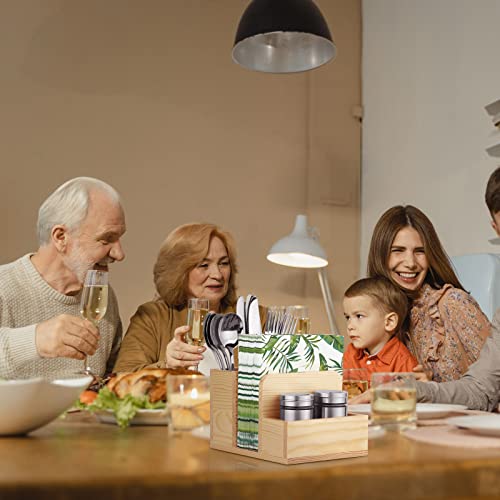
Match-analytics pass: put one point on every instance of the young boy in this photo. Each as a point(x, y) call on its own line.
point(375, 309)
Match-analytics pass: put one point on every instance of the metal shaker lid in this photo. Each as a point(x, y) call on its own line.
point(297, 399)
point(330, 397)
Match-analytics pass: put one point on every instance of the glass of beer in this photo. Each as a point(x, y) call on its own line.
point(355, 381)
point(197, 310)
point(94, 301)
point(394, 400)
point(301, 315)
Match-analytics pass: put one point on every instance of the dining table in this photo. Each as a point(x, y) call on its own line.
point(77, 457)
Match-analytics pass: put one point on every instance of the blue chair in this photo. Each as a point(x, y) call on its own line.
point(480, 275)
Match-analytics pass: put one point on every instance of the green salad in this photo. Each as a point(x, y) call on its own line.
point(124, 409)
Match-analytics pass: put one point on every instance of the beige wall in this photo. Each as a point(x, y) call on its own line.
point(144, 95)
point(429, 69)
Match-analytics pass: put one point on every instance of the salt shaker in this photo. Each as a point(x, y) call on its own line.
point(296, 406)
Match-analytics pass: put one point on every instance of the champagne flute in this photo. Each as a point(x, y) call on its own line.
point(197, 310)
point(94, 302)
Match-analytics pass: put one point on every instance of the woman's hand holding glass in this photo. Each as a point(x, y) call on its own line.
point(179, 353)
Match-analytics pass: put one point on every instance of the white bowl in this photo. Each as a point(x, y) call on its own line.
point(28, 404)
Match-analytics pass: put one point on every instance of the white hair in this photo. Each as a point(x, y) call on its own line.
point(68, 205)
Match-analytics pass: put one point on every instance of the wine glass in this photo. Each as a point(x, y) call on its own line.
point(94, 302)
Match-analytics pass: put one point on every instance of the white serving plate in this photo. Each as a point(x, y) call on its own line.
point(142, 417)
point(424, 410)
point(487, 425)
point(26, 405)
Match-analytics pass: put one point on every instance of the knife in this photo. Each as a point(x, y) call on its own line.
point(240, 311)
point(254, 317)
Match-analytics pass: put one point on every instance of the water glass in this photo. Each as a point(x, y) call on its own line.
point(301, 315)
point(188, 402)
point(394, 400)
point(355, 381)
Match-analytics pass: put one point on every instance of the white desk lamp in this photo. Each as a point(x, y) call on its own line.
point(301, 249)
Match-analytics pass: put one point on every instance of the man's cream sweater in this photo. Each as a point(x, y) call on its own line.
point(26, 299)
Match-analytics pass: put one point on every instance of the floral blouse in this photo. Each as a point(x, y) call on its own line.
point(447, 331)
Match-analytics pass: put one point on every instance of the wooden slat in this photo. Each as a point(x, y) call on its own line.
point(223, 400)
point(327, 436)
point(272, 432)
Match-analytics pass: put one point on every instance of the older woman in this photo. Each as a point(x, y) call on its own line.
point(195, 261)
point(446, 328)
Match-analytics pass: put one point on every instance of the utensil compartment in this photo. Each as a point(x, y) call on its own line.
point(279, 440)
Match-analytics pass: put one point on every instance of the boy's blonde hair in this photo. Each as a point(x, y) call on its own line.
point(385, 294)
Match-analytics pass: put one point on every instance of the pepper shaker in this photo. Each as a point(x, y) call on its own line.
point(330, 404)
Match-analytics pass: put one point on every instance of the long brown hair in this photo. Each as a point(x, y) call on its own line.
point(392, 221)
point(183, 249)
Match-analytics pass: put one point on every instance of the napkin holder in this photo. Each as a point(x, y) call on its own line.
point(279, 440)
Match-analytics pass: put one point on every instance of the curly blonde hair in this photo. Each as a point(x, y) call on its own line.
point(183, 249)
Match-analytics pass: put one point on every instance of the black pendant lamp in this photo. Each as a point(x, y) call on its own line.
point(283, 36)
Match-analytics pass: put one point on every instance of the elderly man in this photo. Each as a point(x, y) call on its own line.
point(41, 331)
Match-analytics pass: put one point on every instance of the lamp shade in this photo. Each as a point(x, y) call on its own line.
point(298, 249)
point(283, 36)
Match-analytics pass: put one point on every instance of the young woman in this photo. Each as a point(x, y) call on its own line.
point(445, 328)
point(195, 261)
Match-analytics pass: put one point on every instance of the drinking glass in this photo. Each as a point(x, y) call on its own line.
point(197, 310)
point(301, 315)
point(355, 381)
point(188, 402)
point(94, 301)
point(394, 400)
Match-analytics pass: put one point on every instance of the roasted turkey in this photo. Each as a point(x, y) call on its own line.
point(146, 382)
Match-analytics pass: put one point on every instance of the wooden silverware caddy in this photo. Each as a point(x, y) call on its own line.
point(281, 441)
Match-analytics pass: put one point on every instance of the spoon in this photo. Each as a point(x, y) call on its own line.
point(208, 339)
point(230, 326)
point(217, 341)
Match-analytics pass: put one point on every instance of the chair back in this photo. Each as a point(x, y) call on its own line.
point(480, 275)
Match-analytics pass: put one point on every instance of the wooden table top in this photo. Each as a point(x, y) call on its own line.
point(77, 458)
